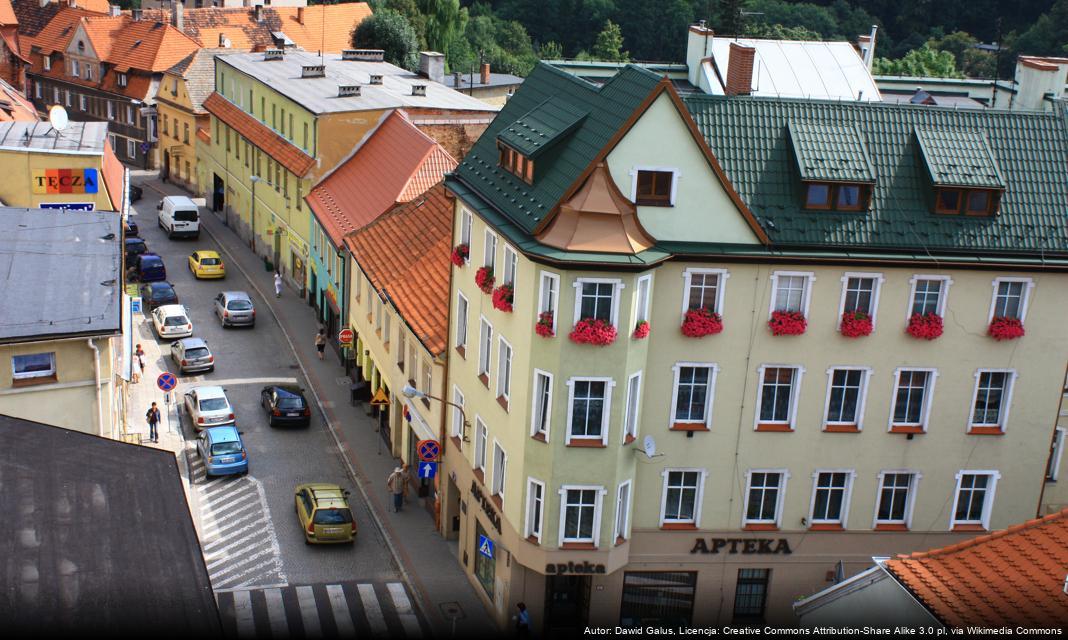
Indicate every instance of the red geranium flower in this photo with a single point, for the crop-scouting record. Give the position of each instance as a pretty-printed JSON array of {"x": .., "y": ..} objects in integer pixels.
[
  {"x": 787, "y": 323},
  {"x": 593, "y": 331},
  {"x": 502, "y": 298},
  {"x": 459, "y": 255},
  {"x": 702, "y": 322},
  {"x": 484, "y": 279},
  {"x": 926, "y": 327},
  {"x": 544, "y": 327},
  {"x": 855, "y": 324},
  {"x": 1002, "y": 328},
  {"x": 641, "y": 331}
]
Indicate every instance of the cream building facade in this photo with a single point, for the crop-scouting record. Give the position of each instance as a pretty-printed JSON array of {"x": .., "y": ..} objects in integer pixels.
[{"x": 664, "y": 479}]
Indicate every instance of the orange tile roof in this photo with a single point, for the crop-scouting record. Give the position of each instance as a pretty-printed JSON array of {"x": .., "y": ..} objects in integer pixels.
[
  {"x": 102, "y": 6},
  {"x": 57, "y": 33},
  {"x": 274, "y": 145},
  {"x": 239, "y": 26},
  {"x": 1007, "y": 578},
  {"x": 113, "y": 174},
  {"x": 14, "y": 106},
  {"x": 396, "y": 163},
  {"x": 137, "y": 44},
  {"x": 405, "y": 252},
  {"x": 7, "y": 13}
]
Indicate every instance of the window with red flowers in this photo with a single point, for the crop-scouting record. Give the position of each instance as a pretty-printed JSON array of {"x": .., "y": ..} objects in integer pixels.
[{"x": 860, "y": 296}]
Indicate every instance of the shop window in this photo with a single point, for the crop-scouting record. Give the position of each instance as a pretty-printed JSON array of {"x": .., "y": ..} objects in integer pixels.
[
  {"x": 751, "y": 595},
  {"x": 654, "y": 188},
  {"x": 485, "y": 566},
  {"x": 658, "y": 598}
]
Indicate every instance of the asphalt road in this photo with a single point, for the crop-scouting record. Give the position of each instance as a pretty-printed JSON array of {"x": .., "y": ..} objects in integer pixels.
[{"x": 279, "y": 459}]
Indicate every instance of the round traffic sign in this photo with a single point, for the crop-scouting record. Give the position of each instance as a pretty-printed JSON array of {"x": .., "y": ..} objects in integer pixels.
[
  {"x": 166, "y": 381},
  {"x": 428, "y": 450},
  {"x": 345, "y": 335}
]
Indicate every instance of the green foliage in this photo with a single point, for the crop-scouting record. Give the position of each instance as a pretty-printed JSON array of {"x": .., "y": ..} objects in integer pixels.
[
  {"x": 974, "y": 63},
  {"x": 1048, "y": 36},
  {"x": 779, "y": 32},
  {"x": 445, "y": 21},
  {"x": 609, "y": 44},
  {"x": 551, "y": 50},
  {"x": 390, "y": 31},
  {"x": 919, "y": 62}
]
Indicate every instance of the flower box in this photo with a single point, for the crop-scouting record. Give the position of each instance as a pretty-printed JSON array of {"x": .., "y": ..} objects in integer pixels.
[
  {"x": 641, "y": 331},
  {"x": 787, "y": 323},
  {"x": 502, "y": 298},
  {"x": 699, "y": 323},
  {"x": 544, "y": 327},
  {"x": 855, "y": 324},
  {"x": 459, "y": 254},
  {"x": 484, "y": 279},
  {"x": 1002, "y": 328},
  {"x": 925, "y": 327},
  {"x": 593, "y": 331}
]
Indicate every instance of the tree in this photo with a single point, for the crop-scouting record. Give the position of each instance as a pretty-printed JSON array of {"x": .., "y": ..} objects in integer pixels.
[
  {"x": 445, "y": 21},
  {"x": 609, "y": 44},
  {"x": 551, "y": 51},
  {"x": 391, "y": 32},
  {"x": 779, "y": 32},
  {"x": 975, "y": 63},
  {"x": 1048, "y": 36},
  {"x": 923, "y": 62}
]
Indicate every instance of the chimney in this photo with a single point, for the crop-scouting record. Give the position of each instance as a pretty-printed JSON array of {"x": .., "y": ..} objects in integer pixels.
[
  {"x": 866, "y": 46},
  {"x": 312, "y": 71},
  {"x": 698, "y": 48},
  {"x": 432, "y": 66},
  {"x": 418, "y": 89},
  {"x": 300, "y": 15},
  {"x": 258, "y": 10},
  {"x": 114, "y": 10},
  {"x": 273, "y": 54},
  {"x": 178, "y": 16},
  {"x": 136, "y": 13},
  {"x": 740, "y": 70},
  {"x": 457, "y": 80},
  {"x": 348, "y": 90},
  {"x": 375, "y": 79},
  {"x": 485, "y": 73},
  {"x": 364, "y": 55}
]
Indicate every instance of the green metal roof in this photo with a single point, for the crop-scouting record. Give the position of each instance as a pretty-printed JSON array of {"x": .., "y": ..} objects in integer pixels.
[
  {"x": 833, "y": 153},
  {"x": 749, "y": 137},
  {"x": 607, "y": 107},
  {"x": 958, "y": 158},
  {"x": 541, "y": 127}
]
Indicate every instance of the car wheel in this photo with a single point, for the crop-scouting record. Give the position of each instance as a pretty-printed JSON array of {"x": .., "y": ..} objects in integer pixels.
[{"x": 211, "y": 369}]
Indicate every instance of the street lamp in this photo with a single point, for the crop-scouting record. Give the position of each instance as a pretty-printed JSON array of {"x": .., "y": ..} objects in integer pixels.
[
  {"x": 411, "y": 392},
  {"x": 254, "y": 179}
]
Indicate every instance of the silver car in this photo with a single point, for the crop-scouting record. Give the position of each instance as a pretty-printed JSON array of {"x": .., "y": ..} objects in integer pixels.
[
  {"x": 192, "y": 354},
  {"x": 235, "y": 308},
  {"x": 208, "y": 407}
]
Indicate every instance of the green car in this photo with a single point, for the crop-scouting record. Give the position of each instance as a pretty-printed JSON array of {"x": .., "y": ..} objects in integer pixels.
[{"x": 324, "y": 514}]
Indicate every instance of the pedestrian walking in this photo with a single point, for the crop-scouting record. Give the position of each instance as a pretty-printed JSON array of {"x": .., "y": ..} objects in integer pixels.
[
  {"x": 152, "y": 416},
  {"x": 277, "y": 284},
  {"x": 320, "y": 342},
  {"x": 406, "y": 476},
  {"x": 395, "y": 484},
  {"x": 140, "y": 354},
  {"x": 522, "y": 621}
]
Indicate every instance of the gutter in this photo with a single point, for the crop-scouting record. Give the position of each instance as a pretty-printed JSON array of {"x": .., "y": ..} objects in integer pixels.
[{"x": 96, "y": 375}]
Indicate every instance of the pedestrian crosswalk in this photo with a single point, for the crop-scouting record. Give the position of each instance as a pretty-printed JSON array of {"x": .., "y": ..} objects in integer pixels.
[
  {"x": 236, "y": 533},
  {"x": 342, "y": 610}
]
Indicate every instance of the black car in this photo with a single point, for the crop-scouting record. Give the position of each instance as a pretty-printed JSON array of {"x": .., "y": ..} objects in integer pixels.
[
  {"x": 157, "y": 294},
  {"x": 135, "y": 193},
  {"x": 134, "y": 247},
  {"x": 285, "y": 406},
  {"x": 130, "y": 227}
]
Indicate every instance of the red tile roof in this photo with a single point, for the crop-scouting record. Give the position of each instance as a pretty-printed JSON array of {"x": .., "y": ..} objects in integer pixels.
[
  {"x": 274, "y": 145},
  {"x": 56, "y": 33},
  {"x": 15, "y": 106},
  {"x": 7, "y": 13},
  {"x": 396, "y": 163},
  {"x": 113, "y": 175},
  {"x": 1007, "y": 578},
  {"x": 137, "y": 44},
  {"x": 406, "y": 253}
]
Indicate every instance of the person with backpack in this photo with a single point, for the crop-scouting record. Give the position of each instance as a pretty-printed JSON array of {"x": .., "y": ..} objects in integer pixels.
[{"x": 152, "y": 416}]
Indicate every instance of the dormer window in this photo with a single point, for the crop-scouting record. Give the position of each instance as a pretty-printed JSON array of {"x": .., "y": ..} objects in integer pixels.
[
  {"x": 654, "y": 188},
  {"x": 970, "y": 202},
  {"x": 516, "y": 163},
  {"x": 833, "y": 163},
  {"x": 964, "y": 173},
  {"x": 521, "y": 142},
  {"x": 122, "y": 79},
  {"x": 837, "y": 197}
]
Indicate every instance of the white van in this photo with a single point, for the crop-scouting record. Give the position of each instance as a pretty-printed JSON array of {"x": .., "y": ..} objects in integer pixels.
[{"x": 179, "y": 217}]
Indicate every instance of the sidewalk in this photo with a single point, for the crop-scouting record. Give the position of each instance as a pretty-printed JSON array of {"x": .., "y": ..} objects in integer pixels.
[{"x": 427, "y": 560}]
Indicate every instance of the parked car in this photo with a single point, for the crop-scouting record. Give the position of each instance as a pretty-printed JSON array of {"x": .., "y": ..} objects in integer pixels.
[
  {"x": 223, "y": 451},
  {"x": 208, "y": 407},
  {"x": 172, "y": 321},
  {"x": 130, "y": 227},
  {"x": 135, "y": 193},
  {"x": 206, "y": 264},
  {"x": 235, "y": 308},
  {"x": 150, "y": 268},
  {"x": 157, "y": 294},
  {"x": 133, "y": 248},
  {"x": 179, "y": 216},
  {"x": 285, "y": 406},
  {"x": 324, "y": 514},
  {"x": 191, "y": 355}
]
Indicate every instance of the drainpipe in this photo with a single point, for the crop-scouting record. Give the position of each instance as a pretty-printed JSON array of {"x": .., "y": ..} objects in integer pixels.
[
  {"x": 96, "y": 373},
  {"x": 1052, "y": 443}
]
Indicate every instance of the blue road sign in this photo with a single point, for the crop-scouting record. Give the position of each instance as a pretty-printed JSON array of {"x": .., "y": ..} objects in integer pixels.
[
  {"x": 428, "y": 450},
  {"x": 428, "y": 469},
  {"x": 166, "y": 381},
  {"x": 485, "y": 546}
]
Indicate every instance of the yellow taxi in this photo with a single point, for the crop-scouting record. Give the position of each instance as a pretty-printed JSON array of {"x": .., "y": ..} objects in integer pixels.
[
  {"x": 324, "y": 514},
  {"x": 206, "y": 264}
]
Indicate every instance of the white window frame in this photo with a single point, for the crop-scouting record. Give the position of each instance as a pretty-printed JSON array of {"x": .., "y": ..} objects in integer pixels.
[
  {"x": 847, "y": 496},
  {"x": 943, "y": 298},
  {"x": 511, "y": 266},
  {"x": 676, "y": 175},
  {"x": 1060, "y": 437},
  {"x": 123, "y": 80},
  {"x": 89, "y": 72},
  {"x": 876, "y": 289},
  {"x": 1024, "y": 302},
  {"x": 784, "y": 480},
  {"x": 504, "y": 378},
  {"x": 55, "y": 95},
  {"x": 1006, "y": 398},
  {"x": 68, "y": 100},
  {"x": 131, "y": 148},
  {"x": 489, "y": 250},
  {"x": 538, "y": 373},
  {"x": 641, "y": 309},
  {"x": 928, "y": 397},
  {"x": 130, "y": 119},
  {"x": 721, "y": 287},
  {"x": 623, "y": 507},
  {"x": 83, "y": 102},
  {"x": 617, "y": 292},
  {"x": 632, "y": 419},
  {"x": 710, "y": 396},
  {"x": 482, "y": 346},
  {"x": 702, "y": 474},
  {"x": 36, "y": 374},
  {"x": 111, "y": 109},
  {"x": 795, "y": 394},
  {"x": 75, "y": 68},
  {"x": 500, "y": 472},
  {"x": 988, "y": 498},
  {"x": 37, "y": 90},
  {"x": 610, "y": 384},
  {"x": 531, "y": 528},
  {"x": 481, "y": 438},
  {"x": 457, "y": 415},
  {"x": 599, "y": 493},
  {"x": 806, "y": 295},
  {"x": 46, "y": 62},
  {"x": 465, "y": 227},
  {"x": 910, "y": 503},
  {"x": 462, "y": 312},
  {"x": 862, "y": 399},
  {"x": 554, "y": 286}
]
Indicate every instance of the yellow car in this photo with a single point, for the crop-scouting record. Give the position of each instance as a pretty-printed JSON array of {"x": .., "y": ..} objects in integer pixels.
[
  {"x": 206, "y": 264},
  {"x": 324, "y": 514}
]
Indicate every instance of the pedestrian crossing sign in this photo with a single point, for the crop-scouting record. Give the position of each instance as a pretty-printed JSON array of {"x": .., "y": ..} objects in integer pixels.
[
  {"x": 380, "y": 399},
  {"x": 485, "y": 547}
]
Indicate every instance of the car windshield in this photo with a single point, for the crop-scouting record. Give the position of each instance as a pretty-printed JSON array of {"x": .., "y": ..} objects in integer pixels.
[
  {"x": 220, "y": 448},
  {"x": 290, "y": 403},
  {"x": 196, "y": 352},
  {"x": 239, "y": 305},
  {"x": 213, "y": 404},
  {"x": 333, "y": 516},
  {"x": 136, "y": 247},
  {"x": 185, "y": 216},
  {"x": 210, "y": 261},
  {"x": 151, "y": 262},
  {"x": 162, "y": 293},
  {"x": 175, "y": 321}
]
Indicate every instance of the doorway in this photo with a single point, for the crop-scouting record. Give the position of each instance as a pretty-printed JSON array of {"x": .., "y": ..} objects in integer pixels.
[
  {"x": 217, "y": 193},
  {"x": 165, "y": 172},
  {"x": 567, "y": 604}
]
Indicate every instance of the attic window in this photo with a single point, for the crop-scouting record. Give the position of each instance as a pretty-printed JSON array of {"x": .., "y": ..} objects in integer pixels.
[
  {"x": 971, "y": 202},
  {"x": 653, "y": 188},
  {"x": 516, "y": 163},
  {"x": 122, "y": 79},
  {"x": 837, "y": 196}
]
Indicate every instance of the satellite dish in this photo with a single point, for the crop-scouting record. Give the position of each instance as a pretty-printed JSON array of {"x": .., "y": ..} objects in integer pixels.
[
  {"x": 649, "y": 446},
  {"x": 57, "y": 117}
]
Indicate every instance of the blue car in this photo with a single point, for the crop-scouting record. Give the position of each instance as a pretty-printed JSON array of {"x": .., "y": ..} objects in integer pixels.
[
  {"x": 150, "y": 268},
  {"x": 223, "y": 451}
]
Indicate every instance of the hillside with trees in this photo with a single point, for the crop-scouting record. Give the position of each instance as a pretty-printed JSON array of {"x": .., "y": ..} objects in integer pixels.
[{"x": 916, "y": 37}]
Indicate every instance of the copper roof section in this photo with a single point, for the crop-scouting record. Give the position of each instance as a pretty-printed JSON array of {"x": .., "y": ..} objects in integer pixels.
[
  {"x": 274, "y": 145},
  {"x": 1007, "y": 578},
  {"x": 597, "y": 218}
]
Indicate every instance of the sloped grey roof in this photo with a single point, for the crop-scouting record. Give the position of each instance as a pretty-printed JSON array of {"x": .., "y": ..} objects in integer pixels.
[
  {"x": 85, "y": 137},
  {"x": 198, "y": 70}
]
